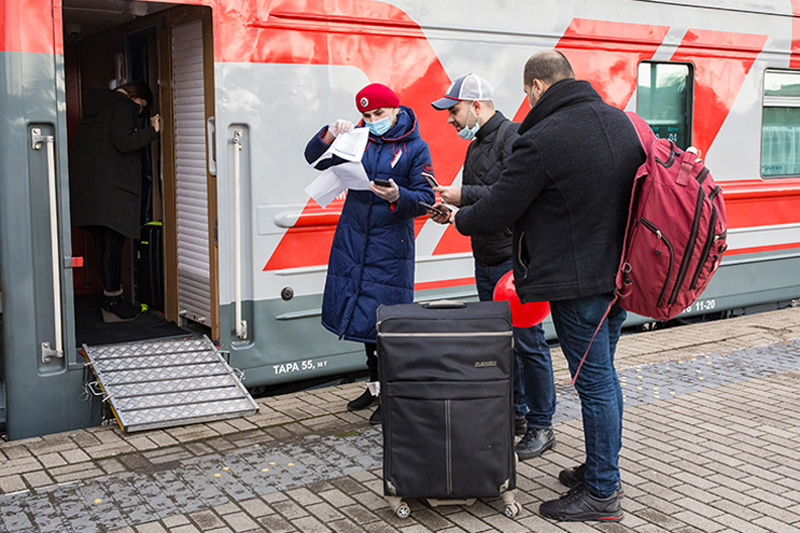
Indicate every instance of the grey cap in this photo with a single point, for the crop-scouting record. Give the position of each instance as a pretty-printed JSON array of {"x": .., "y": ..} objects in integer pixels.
[{"x": 469, "y": 87}]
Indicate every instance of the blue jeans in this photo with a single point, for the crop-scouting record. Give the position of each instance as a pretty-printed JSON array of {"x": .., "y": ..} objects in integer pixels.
[
  {"x": 534, "y": 389},
  {"x": 597, "y": 384}
]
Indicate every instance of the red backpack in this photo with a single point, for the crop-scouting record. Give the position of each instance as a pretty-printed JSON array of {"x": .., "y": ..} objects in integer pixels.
[
  {"x": 675, "y": 235},
  {"x": 676, "y": 232}
]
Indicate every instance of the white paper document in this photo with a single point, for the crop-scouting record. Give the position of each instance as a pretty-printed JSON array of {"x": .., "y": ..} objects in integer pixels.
[
  {"x": 349, "y": 175},
  {"x": 333, "y": 182},
  {"x": 350, "y": 145}
]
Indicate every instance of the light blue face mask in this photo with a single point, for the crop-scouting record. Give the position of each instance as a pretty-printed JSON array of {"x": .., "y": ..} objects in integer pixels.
[
  {"x": 381, "y": 126},
  {"x": 469, "y": 133}
]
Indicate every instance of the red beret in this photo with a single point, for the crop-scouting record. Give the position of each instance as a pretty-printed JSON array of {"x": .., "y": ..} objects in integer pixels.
[{"x": 376, "y": 95}]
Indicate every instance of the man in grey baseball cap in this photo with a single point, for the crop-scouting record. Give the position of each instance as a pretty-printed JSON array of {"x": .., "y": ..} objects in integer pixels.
[{"x": 471, "y": 111}]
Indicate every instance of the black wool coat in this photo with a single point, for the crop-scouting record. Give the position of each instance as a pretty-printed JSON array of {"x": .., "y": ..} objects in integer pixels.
[
  {"x": 566, "y": 193},
  {"x": 105, "y": 168}
]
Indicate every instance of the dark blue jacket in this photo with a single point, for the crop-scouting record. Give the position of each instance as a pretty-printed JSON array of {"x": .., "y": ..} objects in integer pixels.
[{"x": 372, "y": 257}]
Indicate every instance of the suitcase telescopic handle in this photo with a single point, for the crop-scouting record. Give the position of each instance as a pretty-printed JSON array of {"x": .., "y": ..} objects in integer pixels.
[{"x": 444, "y": 304}]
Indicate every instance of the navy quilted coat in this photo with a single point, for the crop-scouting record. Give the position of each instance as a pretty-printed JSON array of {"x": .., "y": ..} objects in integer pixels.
[{"x": 372, "y": 257}]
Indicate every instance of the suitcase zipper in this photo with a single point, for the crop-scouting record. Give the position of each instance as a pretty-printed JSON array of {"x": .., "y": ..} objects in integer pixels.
[
  {"x": 435, "y": 334},
  {"x": 448, "y": 451}
]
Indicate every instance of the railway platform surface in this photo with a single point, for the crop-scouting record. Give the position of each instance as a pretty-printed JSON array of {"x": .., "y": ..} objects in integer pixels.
[{"x": 711, "y": 443}]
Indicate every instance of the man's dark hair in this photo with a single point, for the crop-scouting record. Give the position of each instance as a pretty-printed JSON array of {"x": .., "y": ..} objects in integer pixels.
[{"x": 549, "y": 66}]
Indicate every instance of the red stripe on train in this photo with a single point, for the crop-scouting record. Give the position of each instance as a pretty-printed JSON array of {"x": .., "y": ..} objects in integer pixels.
[
  {"x": 758, "y": 249},
  {"x": 444, "y": 283}
]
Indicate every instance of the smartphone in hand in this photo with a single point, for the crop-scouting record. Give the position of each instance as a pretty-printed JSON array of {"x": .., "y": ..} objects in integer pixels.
[
  {"x": 430, "y": 207},
  {"x": 381, "y": 182},
  {"x": 430, "y": 179}
]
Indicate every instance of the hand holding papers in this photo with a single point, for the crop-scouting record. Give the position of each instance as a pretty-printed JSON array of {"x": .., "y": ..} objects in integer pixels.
[{"x": 350, "y": 175}]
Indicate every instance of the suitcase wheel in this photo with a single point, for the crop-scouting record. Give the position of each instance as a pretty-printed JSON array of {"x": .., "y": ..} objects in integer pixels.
[
  {"x": 512, "y": 509},
  {"x": 402, "y": 511}
]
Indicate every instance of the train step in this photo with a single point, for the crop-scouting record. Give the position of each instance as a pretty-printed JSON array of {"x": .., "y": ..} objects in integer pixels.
[{"x": 166, "y": 383}]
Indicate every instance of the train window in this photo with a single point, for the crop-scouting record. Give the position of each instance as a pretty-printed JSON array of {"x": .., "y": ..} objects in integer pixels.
[
  {"x": 664, "y": 99},
  {"x": 780, "y": 127}
]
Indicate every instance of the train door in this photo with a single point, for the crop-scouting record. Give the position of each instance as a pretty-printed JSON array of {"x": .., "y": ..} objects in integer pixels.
[{"x": 173, "y": 266}]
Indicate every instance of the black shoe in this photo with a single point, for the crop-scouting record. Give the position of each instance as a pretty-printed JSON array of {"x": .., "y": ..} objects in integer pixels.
[
  {"x": 579, "y": 505},
  {"x": 535, "y": 442},
  {"x": 362, "y": 402},
  {"x": 117, "y": 309},
  {"x": 377, "y": 417},
  {"x": 520, "y": 426},
  {"x": 572, "y": 477}
]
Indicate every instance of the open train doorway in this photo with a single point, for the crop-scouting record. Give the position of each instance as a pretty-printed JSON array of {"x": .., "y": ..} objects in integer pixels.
[{"x": 170, "y": 264}]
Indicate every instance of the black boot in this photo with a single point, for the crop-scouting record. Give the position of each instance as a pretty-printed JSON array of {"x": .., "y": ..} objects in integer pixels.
[
  {"x": 535, "y": 442},
  {"x": 117, "y": 309},
  {"x": 364, "y": 401}
]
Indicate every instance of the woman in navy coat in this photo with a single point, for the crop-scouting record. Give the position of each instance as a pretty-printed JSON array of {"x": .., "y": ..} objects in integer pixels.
[{"x": 372, "y": 257}]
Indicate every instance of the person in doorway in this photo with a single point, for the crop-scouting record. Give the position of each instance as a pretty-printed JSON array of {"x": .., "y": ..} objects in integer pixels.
[
  {"x": 471, "y": 111},
  {"x": 106, "y": 179},
  {"x": 372, "y": 257},
  {"x": 566, "y": 193}
]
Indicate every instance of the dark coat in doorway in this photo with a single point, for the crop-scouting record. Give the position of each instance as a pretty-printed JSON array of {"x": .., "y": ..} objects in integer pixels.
[{"x": 105, "y": 168}]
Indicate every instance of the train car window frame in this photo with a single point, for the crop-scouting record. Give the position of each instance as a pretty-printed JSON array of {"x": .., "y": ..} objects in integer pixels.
[
  {"x": 780, "y": 124},
  {"x": 673, "y": 121}
]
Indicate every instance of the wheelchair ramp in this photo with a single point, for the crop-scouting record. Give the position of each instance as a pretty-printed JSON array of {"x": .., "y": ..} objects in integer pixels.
[{"x": 158, "y": 384}]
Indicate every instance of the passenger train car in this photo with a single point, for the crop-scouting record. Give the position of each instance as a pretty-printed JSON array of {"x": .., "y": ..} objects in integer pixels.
[{"x": 241, "y": 86}]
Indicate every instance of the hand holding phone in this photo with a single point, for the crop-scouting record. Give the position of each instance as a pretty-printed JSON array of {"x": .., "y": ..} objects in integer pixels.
[
  {"x": 381, "y": 182},
  {"x": 430, "y": 179},
  {"x": 431, "y": 208}
]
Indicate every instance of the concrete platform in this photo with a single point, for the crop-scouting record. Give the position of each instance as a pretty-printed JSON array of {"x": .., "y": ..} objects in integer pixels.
[{"x": 711, "y": 444}]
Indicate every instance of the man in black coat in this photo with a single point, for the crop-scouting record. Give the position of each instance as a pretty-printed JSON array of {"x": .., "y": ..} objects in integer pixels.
[
  {"x": 468, "y": 102},
  {"x": 566, "y": 193},
  {"x": 105, "y": 174}
]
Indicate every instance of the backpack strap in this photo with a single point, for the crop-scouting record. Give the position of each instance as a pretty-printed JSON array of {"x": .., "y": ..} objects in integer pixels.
[
  {"x": 643, "y": 130},
  {"x": 646, "y": 138},
  {"x": 499, "y": 148}
]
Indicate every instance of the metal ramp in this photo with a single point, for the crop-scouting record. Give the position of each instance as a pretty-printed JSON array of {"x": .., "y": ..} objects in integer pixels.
[{"x": 158, "y": 384}]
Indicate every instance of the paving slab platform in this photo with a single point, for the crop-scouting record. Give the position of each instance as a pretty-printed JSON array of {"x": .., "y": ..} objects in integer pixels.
[{"x": 711, "y": 443}]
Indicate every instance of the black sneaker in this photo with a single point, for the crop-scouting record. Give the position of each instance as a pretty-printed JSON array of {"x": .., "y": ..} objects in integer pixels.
[
  {"x": 572, "y": 477},
  {"x": 118, "y": 309},
  {"x": 579, "y": 505},
  {"x": 364, "y": 401},
  {"x": 520, "y": 426},
  {"x": 535, "y": 442},
  {"x": 377, "y": 417}
]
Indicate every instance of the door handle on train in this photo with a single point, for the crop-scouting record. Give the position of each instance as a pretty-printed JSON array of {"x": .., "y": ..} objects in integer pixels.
[
  {"x": 38, "y": 141},
  {"x": 241, "y": 325},
  {"x": 211, "y": 142}
]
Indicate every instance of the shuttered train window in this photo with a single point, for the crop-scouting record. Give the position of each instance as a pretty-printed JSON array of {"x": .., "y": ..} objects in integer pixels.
[{"x": 780, "y": 125}]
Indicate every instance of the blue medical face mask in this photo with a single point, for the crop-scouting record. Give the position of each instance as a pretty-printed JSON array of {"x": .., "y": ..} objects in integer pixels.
[
  {"x": 469, "y": 133},
  {"x": 380, "y": 126}
]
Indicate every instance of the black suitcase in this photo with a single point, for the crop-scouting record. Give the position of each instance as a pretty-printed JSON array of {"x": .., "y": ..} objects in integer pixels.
[
  {"x": 446, "y": 394},
  {"x": 150, "y": 266}
]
